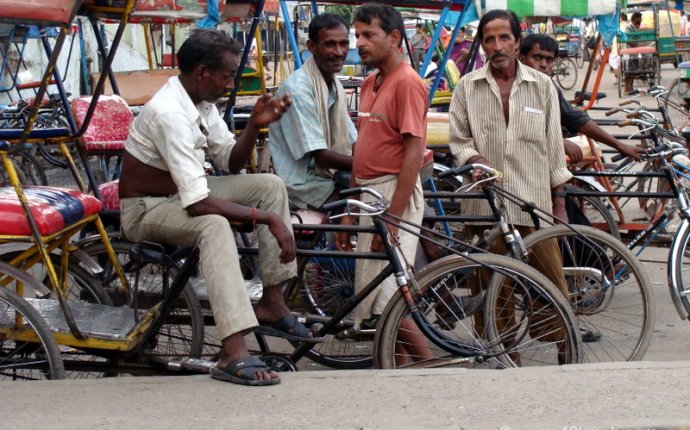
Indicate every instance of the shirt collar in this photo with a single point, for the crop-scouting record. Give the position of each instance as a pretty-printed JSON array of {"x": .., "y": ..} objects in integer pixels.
[
  {"x": 523, "y": 73},
  {"x": 195, "y": 113}
]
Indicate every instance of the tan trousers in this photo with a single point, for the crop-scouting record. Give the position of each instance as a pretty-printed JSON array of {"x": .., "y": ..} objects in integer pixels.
[
  {"x": 367, "y": 269},
  {"x": 162, "y": 219},
  {"x": 546, "y": 258}
]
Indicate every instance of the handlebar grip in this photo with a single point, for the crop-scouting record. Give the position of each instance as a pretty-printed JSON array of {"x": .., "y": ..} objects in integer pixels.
[
  {"x": 626, "y": 101},
  {"x": 634, "y": 114},
  {"x": 625, "y": 123},
  {"x": 611, "y": 111},
  {"x": 330, "y": 207},
  {"x": 456, "y": 171},
  {"x": 618, "y": 157},
  {"x": 351, "y": 191}
]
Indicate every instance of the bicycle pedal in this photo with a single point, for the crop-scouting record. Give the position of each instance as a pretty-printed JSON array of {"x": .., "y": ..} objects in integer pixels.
[{"x": 356, "y": 334}]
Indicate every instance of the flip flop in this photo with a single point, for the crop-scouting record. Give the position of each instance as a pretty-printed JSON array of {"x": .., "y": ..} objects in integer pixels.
[
  {"x": 288, "y": 328},
  {"x": 243, "y": 372}
]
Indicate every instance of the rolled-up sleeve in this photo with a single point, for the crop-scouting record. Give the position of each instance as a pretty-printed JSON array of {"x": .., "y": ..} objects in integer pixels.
[
  {"x": 461, "y": 144},
  {"x": 178, "y": 140},
  {"x": 559, "y": 173},
  {"x": 219, "y": 139}
]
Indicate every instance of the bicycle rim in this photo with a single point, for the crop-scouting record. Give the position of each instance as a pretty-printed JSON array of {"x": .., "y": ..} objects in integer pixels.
[
  {"x": 608, "y": 291},
  {"x": 22, "y": 360},
  {"x": 448, "y": 298}
]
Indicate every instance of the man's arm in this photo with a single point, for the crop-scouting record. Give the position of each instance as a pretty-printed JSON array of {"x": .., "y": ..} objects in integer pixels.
[
  {"x": 329, "y": 159},
  {"x": 235, "y": 212},
  {"x": 559, "y": 174},
  {"x": 266, "y": 110},
  {"x": 461, "y": 143},
  {"x": 593, "y": 131}
]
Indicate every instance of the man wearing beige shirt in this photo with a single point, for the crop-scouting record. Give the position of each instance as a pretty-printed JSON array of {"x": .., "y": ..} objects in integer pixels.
[{"x": 506, "y": 115}]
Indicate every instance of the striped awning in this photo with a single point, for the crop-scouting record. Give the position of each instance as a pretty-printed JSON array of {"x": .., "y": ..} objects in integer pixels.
[{"x": 566, "y": 8}]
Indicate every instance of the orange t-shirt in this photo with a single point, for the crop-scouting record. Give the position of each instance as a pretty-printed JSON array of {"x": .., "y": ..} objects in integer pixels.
[{"x": 398, "y": 107}]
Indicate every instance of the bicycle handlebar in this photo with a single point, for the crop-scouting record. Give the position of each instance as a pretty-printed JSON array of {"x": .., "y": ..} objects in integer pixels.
[
  {"x": 376, "y": 207},
  {"x": 461, "y": 170}
]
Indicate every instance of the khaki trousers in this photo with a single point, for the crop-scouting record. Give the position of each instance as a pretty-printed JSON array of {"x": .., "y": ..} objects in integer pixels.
[
  {"x": 546, "y": 258},
  {"x": 163, "y": 220},
  {"x": 367, "y": 269}
]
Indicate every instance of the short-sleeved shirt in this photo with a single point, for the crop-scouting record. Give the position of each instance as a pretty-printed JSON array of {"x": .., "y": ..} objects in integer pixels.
[
  {"x": 571, "y": 118},
  {"x": 295, "y": 136},
  {"x": 398, "y": 107},
  {"x": 173, "y": 134},
  {"x": 528, "y": 150}
]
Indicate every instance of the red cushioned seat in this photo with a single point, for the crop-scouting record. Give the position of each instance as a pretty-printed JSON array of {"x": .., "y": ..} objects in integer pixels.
[
  {"x": 52, "y": 208},
  {"x": 109, "y": 125},
  {"x": 110, "y": 195}
]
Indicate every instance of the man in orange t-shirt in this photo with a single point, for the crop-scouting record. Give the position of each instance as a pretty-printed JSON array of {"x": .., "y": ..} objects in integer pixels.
[{"x": 390, "y": 146}]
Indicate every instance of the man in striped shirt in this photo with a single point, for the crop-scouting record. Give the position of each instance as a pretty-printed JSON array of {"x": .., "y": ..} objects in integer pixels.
[{"x": 506, "y": 115}]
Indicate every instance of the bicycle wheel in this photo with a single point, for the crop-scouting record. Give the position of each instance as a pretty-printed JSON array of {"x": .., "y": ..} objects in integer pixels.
[
  {"x": 450, "y": 206},
  {"x": 182, "y": 334},
  {"x": 327, "y": 284},
  {"x": 31, "y": 169},
  {"x": 28, "y": 350},
  {"x": 676, "y": 101},
  {"x": 459, "y": 303},
  {"x": 81, "y": 286},
  {"x": 566, "y": 73},
  {"x": 682, "y": 262},
  {"x": 580, "y": 56},
  {"x": 609, "y": 292},
  {"x": 596, "y": 210}
]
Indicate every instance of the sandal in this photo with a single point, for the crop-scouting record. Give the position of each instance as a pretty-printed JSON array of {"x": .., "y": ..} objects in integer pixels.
[
  {"x": 289, "y": 328},
  {"x": 243, "y": 372}
]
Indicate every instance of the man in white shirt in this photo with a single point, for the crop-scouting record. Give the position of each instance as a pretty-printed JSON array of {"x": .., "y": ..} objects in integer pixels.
[{"x": 166, "y": 197}]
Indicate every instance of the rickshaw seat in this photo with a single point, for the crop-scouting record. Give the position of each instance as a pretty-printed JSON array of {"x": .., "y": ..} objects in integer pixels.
[
  {"x": 110, "y": 195},
  {"x": 52, "y": 208},
  {"x": 109, "y": 126},
  {"x": 637, "y": 50},
  {"x": 684, "y": 65}
]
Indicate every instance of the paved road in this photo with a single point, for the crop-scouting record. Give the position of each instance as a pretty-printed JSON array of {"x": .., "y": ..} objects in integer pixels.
[{"x": 611, "y": 396}]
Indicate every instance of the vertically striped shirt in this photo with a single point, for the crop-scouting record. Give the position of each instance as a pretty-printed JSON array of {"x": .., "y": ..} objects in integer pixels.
[{"x": 528, "y": 149}]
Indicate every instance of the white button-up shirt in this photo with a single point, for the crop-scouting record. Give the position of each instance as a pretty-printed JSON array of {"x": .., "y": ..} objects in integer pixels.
[{"x": 173, "y": 134}]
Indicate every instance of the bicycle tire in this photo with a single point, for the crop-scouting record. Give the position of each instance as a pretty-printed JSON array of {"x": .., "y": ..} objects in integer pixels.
[
  {"x": 183, "y": 332},
  {"x": 327, "y": 286},
  {"x": 620, "y": 310},
  {"x": 675, "y": 95},
  {"x": 451, "y": 206},
  {"x": 682, "y": 261},
  {"x": 82, "y": 286},
  {"x": 566, "y": 75},
  {"x": 33, "y": 172},
  {"x": 24, "y": 360},
  {"x": 580, "y": 56},
  {"x": 596, "y": 211},
  {"x": 449, "y": 317}
]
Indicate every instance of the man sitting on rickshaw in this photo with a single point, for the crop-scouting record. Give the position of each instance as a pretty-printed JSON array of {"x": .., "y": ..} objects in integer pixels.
[{"x": 166, "y": 197}]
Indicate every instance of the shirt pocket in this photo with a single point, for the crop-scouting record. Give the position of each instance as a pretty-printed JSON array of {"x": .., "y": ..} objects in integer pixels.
[{"x": 531, "y": 126}]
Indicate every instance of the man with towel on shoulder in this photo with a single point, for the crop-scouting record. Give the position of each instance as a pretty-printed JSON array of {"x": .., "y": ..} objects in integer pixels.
[{"x": 314, "y": 138}]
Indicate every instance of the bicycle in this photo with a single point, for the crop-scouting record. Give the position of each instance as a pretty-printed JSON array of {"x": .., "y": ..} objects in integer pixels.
[
  {"x": 564, "y": 72},
  {"x": 673, "y": 172},
  {"x": 607, "y": 288}
]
